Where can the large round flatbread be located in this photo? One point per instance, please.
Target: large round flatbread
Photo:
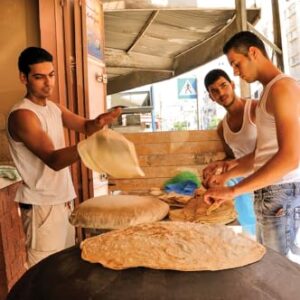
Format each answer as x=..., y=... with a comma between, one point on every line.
x=198, y=211
x=180, y=246
x=119, y=211
x=110, y=152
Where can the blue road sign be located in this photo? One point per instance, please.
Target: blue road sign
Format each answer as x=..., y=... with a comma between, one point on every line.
x=187, y=88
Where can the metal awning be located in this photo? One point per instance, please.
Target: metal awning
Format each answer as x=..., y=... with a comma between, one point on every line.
x=144, y=45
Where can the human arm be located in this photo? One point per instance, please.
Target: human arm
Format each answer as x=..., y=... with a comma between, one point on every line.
x=235, y=168
x=283, y=104
x=85, y=126
x=217, y=191
x=25, y=127
x=218, y=166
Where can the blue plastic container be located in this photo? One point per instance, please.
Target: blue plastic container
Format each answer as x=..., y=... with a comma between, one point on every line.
x=245, y=209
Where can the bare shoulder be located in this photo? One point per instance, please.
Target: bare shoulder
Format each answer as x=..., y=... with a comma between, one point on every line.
x=284, y=97
x=61, y=107
x=21, y=117
x=20, y=121
x=285, y=85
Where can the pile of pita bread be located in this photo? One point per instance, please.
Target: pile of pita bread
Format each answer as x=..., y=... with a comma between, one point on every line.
x=199, y=211
x=182, y=246
x=175, y=199
x=118, y=211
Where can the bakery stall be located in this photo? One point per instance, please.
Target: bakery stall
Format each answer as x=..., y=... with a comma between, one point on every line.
x=158, y=259
x=65, y=275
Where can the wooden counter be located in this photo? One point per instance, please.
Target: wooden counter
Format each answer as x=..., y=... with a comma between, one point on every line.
x=12, y=240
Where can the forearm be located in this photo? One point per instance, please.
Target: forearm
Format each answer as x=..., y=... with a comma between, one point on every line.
x=91, y=126
x=102, y=120
x=276, y=168
x=240, y=167
x=62, y=158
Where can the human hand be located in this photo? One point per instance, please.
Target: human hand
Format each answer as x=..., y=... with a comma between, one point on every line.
x=216, y=167
x=214, y=180
x=211, y=169
x=108, y=117
x=219, y=195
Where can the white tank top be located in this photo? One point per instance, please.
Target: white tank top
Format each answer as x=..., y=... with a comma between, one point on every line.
x=41, y=185
x=267, y=145
x=241, y=142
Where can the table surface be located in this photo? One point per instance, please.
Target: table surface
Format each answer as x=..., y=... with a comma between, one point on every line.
x=65, y=275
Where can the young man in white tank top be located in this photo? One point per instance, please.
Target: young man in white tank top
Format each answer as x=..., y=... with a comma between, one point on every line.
x=275, y=162
x=238, y=134
x=37, y=145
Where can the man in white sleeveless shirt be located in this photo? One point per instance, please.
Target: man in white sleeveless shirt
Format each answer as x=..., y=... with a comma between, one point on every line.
x=275, y=162
x=237, y=131
x=37, y=145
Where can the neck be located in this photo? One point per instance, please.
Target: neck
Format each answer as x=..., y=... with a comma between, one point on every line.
x=235, y=106
x=37, y=100
x=269, y=71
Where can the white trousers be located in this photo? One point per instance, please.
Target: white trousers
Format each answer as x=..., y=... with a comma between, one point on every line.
x=47, y=230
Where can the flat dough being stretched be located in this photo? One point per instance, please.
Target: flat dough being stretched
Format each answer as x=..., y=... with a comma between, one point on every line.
x=179, y=246
x=203, y=213
x=110, y=152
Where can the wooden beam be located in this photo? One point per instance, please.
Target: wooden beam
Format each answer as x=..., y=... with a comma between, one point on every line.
x=241, y=15
x=205, y=51
x=135, y=79
x=261, y=36
x=241, y=24
x=143, y=30
x=277, y=33
x=117, y=58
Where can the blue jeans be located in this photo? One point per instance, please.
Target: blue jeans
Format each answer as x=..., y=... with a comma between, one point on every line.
x=244, y=207
x=277, y=209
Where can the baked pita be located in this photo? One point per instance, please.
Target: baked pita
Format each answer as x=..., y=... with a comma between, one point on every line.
x=110, y=152
x=175, y=199
x=118, y=211
x=200, y=212
x=179, y=246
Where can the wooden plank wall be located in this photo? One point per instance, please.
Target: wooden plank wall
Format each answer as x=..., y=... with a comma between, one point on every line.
x=163, y=154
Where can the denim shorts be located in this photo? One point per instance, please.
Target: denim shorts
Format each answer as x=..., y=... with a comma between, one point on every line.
x=277, y=209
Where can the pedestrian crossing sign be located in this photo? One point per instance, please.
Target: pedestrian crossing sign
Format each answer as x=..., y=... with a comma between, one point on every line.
x=187, y=88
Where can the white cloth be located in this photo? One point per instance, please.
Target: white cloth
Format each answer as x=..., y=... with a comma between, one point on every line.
x=242, y=142
x=41, y=185
x=267, y=144
x=47, y=230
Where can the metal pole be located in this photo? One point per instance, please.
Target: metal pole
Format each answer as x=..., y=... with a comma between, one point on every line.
x=241, y=21
x=277, y=33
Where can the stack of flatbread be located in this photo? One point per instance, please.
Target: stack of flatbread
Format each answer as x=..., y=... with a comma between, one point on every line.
x=180, y=246
x=118, y=211
x=200, y=212
x=175, y=199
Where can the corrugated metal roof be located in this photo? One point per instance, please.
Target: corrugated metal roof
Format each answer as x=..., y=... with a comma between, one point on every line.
x=143, y=46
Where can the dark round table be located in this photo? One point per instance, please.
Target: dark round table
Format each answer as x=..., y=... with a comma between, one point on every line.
x=66, y=276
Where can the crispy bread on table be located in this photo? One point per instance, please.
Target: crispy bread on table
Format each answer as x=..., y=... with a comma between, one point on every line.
x=182, y=246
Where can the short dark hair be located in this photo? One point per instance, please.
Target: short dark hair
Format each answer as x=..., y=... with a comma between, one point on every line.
x=213, y=76
x=31, y=56
x=242, y=41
